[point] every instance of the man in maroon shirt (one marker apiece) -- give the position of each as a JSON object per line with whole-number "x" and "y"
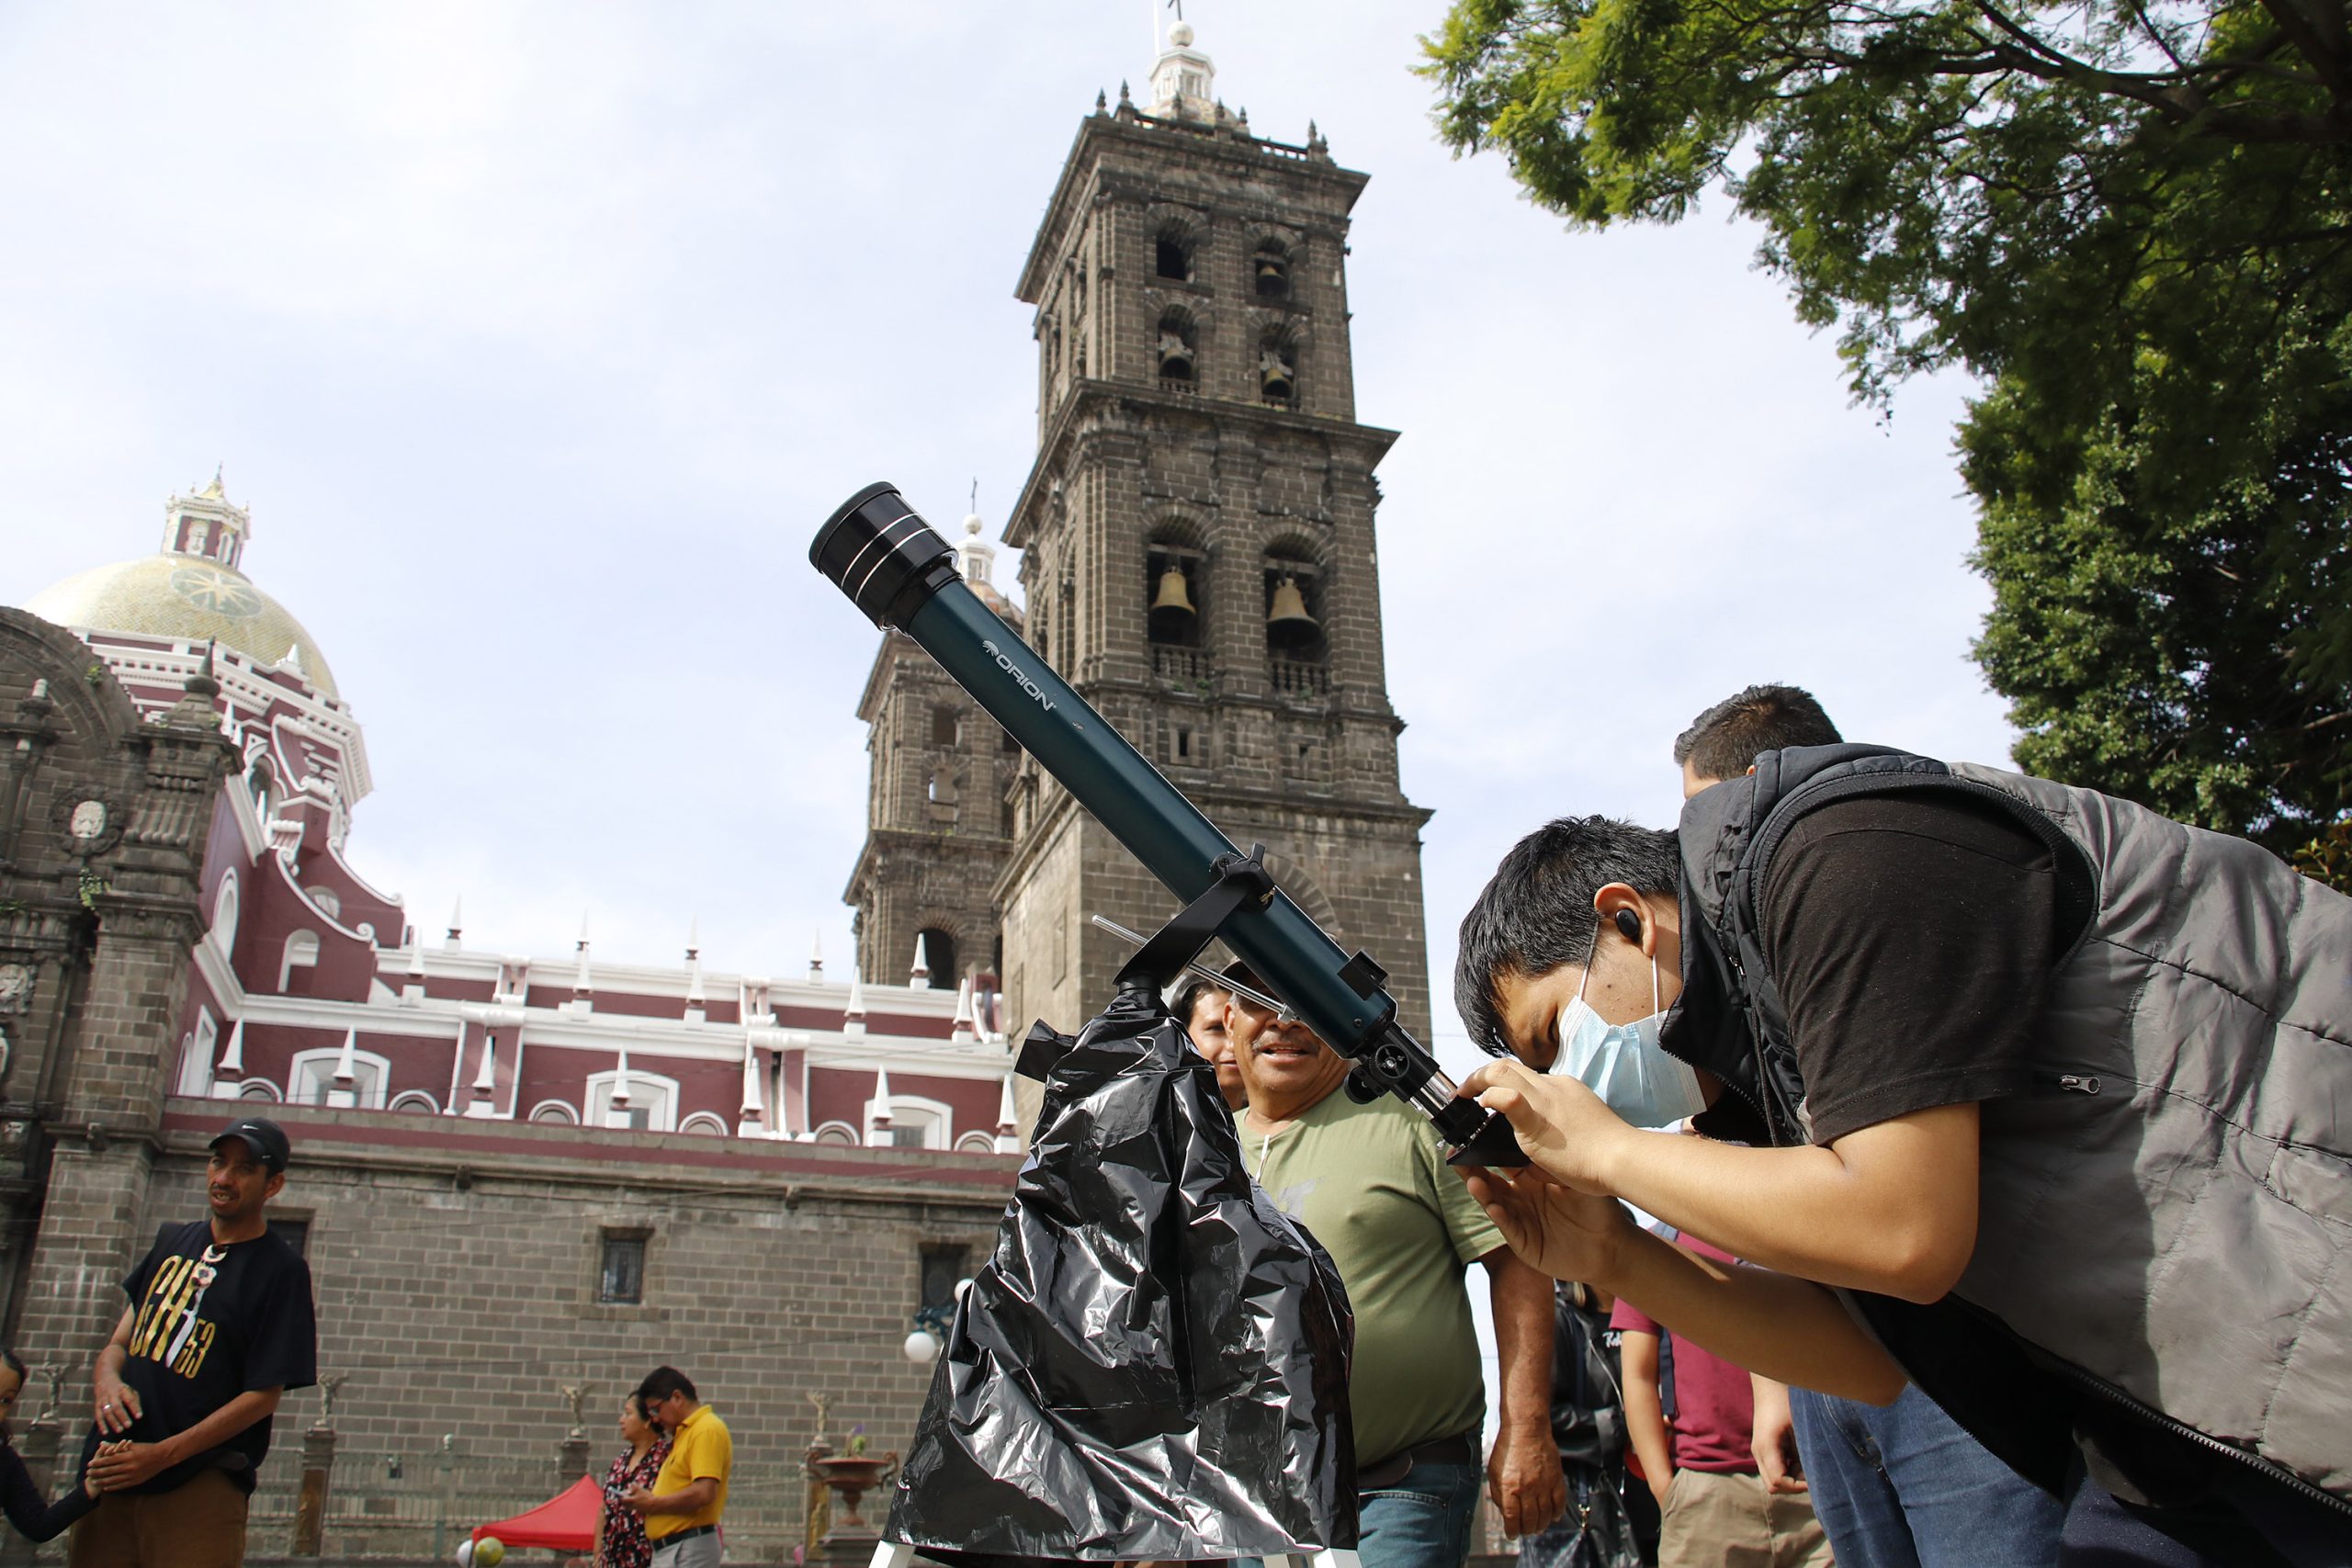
{"x": 1713, "y": 1507}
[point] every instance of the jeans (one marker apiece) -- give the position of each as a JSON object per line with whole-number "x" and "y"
{"x": 1905, "y": 1487}
{"x": 1423, "y": 1521}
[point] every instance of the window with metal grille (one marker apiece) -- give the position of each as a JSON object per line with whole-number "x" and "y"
{"x": 942, "y": 1266}
{"x": 622, "y": 1278}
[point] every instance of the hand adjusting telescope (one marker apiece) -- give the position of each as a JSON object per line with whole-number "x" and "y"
{"x": 894, "y": 568}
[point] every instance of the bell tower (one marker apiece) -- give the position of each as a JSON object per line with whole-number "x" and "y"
{"x": 1197, "y": 534}
{"x": 937, "y": 822}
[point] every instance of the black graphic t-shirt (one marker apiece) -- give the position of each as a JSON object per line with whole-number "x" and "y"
{"x": 213, "y": 1323}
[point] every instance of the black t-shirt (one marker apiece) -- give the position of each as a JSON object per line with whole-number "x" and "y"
{"x": 213, "y": 1323}
{"x": 1913, "y": 940}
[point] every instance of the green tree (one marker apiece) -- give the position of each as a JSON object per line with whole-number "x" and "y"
{"x": 2132, "y": 222}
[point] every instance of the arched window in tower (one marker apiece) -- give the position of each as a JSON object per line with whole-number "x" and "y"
{"x": 939, "y": 956}
{"x": 295, "y": 967}
{"x": 1176, "y": 349}
{"x": 1270, "y": 270}
{"x": 1278, "y": 369}
{"x": 1297, "y": 653}
{"x": 943, "y": 725}
{"x": 1175, "y": 584}
{"x": 1172, "y": 253}
{"x": 260, "y": 784}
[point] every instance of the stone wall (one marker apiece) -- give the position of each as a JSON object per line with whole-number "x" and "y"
{"x": 458, "y": 1264}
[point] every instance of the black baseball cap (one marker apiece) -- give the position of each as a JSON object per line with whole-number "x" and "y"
{"x": 265, "y": 1137}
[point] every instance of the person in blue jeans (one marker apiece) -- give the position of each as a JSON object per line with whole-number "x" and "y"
{"x": 1902, "y": 1485}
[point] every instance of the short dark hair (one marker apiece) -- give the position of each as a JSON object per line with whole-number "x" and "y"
{"x": 1536, "y": 913}
{"x": 636, "y": 1402}
{"x": 15, "y": 1364}
{"x": 661, "y": 1383}
{"x": 1725, "y": 741}
{"x": 1190, "y": 997}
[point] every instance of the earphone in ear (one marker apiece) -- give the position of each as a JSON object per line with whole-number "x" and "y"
{"x": 1629, "y": 925}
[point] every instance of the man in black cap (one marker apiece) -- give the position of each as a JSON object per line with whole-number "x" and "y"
{"x": 219, "y": 1327}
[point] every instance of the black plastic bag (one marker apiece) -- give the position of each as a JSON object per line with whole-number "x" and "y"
{"x": 1154, "y": 1364}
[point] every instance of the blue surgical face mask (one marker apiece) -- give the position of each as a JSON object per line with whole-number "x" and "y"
{"x": 1624, "y": 1063}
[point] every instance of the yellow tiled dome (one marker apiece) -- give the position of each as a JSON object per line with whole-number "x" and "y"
{"x": 193, "y": 590}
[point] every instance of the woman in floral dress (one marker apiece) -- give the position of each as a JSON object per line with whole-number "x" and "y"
{"x": 620, "y": 1533}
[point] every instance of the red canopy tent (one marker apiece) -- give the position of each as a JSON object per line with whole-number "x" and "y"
{"x": 567, "y": 1521}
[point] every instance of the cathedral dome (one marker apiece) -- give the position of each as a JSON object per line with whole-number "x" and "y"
{"x": 194, "y": 590}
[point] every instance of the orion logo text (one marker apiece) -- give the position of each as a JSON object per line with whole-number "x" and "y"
{"x": 1020, "y": 676}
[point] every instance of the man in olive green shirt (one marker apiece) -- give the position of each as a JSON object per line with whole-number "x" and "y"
{"x": 1370, "y": 1183}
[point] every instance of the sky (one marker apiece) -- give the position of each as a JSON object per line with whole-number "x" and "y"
{"x": 541, "y": 338}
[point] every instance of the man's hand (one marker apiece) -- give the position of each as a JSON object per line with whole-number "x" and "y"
{"x": 1773, "y": 1439}
{"x": 1523, "y": 1477}
{"x": 114, "y": 1404}
{"x": 1554, "y": 1229}
{"x": 119, "y": 1466}
{"x": 638, "y": 1498}
{"x": 1564, "y": 1127}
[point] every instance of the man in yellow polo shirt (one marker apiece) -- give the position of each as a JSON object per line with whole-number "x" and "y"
{"x": 682, "y": 1506}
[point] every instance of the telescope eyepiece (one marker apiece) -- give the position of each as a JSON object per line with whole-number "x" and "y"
{"x": 886, "y": 557}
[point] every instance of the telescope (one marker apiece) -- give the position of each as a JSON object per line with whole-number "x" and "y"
{"x": 897, "y": 570}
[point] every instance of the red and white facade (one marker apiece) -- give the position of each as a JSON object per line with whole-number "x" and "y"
{"x": 312, "y": 986}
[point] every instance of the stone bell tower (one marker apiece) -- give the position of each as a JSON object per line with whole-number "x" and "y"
{"x": 1197, "y": 535}
{"x": 937, "y": 820}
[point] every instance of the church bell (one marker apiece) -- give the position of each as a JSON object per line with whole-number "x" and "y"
{"x": 1173, "y": 598}
{"x": 1287, "y": 619}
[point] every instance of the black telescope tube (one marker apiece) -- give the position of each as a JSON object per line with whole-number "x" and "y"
{"x": 900, "y": 573}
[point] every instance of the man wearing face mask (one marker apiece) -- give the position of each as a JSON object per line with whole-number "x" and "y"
{"x": 1370, "y": 1182}
{"x": 1903, "y": 1486}
{"x": 2043, "y": 1079}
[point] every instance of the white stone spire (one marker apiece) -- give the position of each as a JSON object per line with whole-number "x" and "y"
{"x": 877, "y": 1133}
{"x": 853, "y": 1015}
{"x": 345, "y": 1090}
{"x": 484, "y": 1103}
{"x": 1183, "y": 80}
{"x": 695, "y": 998}
{"x": 817, "y": 959}
{"x": 617, "y": 1116}
{"x": 919, "y": 975}
{"x": 1008, "y": 1129}
{"x": 455, "y": 940}
{"x": 232, "y": 1070}
{"x": 963, "y": 1033}
{"x": 750, "y": 1124}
